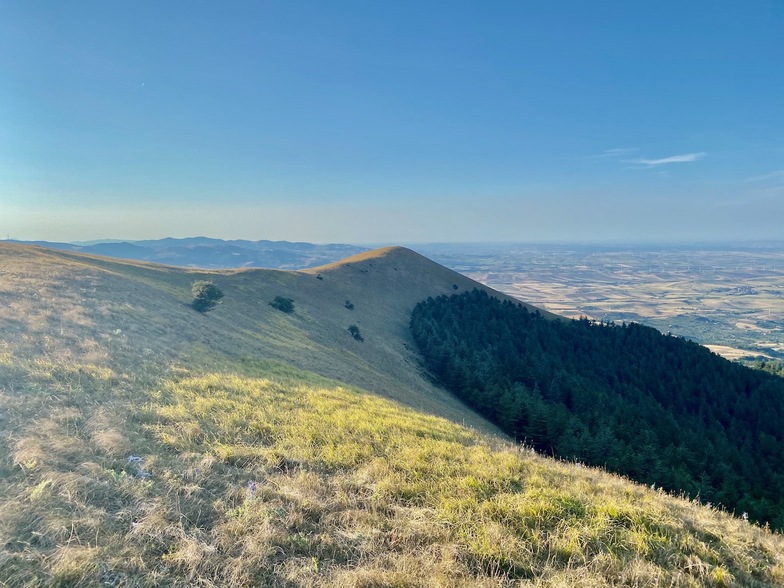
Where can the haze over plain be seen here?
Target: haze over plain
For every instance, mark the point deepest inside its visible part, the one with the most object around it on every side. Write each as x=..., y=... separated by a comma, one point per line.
x=392, y=122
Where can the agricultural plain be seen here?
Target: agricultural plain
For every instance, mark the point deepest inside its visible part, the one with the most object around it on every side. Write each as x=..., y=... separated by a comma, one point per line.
x=727, y=297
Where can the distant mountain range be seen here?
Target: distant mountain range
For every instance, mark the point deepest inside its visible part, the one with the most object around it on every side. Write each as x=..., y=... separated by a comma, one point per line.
x=208, y=253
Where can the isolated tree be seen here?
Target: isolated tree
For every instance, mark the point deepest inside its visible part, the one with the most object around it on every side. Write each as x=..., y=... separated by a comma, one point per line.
x=354, y=330
x=205, y=295
x=283, y=304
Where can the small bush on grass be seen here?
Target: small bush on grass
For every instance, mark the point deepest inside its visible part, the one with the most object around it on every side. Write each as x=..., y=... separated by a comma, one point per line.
x=283, y=304
x=205, y=295
x=354, y=330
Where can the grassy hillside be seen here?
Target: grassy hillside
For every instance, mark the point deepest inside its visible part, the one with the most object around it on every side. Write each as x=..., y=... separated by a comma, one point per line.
x=66, y=304
x=144, y=444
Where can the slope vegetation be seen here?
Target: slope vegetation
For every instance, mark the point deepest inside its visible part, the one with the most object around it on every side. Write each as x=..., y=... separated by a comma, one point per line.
x=145, y=444
x=659, y=409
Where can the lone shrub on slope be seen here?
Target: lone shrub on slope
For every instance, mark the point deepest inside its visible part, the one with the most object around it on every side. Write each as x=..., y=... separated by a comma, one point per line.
x=205, y=295
x=283, y=304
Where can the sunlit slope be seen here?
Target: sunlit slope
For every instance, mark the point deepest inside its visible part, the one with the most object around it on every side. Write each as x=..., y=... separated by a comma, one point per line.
x=144, y=444
x=263, y=475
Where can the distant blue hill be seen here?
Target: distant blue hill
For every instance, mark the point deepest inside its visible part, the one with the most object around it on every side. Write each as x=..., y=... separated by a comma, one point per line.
x=208, y=253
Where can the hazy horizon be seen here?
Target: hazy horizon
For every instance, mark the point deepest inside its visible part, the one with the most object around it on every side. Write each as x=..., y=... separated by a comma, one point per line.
x=449, y=244
x=352, y=122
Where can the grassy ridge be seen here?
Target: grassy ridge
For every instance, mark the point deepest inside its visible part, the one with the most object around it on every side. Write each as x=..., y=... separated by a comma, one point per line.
x=254, y=472
x=121, y=314
x=272, y=476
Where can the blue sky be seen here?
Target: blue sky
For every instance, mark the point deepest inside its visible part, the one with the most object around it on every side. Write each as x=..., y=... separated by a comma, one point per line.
x=392, y=122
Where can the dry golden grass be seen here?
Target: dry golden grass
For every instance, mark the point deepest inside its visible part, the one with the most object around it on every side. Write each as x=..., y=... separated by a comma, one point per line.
x=295, y=480
x=254, y=472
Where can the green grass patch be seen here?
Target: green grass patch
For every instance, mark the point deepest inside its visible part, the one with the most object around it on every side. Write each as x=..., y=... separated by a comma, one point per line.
x=269, y=473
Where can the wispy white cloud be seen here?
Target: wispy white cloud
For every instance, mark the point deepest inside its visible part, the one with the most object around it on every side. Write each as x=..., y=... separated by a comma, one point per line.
x=774, y=175
x=685, y=158
x=618, y=152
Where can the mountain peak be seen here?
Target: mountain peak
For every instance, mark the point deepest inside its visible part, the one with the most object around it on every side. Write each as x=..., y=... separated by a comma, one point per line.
x=389, y=254
x=403, y=274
